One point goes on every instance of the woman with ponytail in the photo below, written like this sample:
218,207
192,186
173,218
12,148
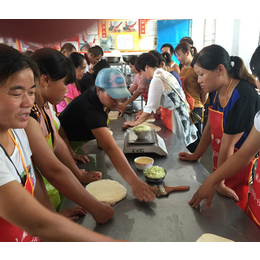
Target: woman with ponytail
195,96
231,117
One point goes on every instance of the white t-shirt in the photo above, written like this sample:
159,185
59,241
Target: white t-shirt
257,121
8,172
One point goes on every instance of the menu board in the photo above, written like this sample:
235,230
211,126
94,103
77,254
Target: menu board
128,35
125,42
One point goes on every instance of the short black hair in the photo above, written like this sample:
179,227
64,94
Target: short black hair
146,59
96,50
169,46
68,47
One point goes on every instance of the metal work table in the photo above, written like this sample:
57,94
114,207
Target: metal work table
167,218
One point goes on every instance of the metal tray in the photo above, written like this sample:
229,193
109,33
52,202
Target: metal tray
131,137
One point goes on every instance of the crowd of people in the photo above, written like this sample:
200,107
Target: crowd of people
45,93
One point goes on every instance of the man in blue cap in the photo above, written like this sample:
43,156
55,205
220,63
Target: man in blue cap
86,118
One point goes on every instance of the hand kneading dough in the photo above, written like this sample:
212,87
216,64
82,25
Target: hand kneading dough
107,190
212,238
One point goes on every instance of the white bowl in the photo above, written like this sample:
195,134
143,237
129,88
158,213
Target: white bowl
143,162
141,134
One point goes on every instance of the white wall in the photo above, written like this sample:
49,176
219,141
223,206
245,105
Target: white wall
248,39
197,33
240,37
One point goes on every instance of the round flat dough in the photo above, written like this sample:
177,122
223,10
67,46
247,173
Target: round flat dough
207,237
107,190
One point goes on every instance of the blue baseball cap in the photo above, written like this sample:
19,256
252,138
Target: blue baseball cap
113,81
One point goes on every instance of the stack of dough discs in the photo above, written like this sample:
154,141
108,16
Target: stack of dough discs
107,190
207,237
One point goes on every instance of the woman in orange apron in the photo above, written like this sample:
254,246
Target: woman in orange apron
231,116
240,182
239,161
195,96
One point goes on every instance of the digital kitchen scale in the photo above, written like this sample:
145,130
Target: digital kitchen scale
153,143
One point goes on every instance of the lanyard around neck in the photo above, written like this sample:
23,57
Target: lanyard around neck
20,152
24,166
230,82
186,72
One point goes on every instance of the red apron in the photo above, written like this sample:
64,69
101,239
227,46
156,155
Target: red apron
11,233
239,182
189,98
253,206
145,96
166,116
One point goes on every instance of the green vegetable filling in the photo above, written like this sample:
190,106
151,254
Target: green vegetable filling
142,128
154,172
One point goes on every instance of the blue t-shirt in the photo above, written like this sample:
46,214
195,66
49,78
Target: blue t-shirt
176,75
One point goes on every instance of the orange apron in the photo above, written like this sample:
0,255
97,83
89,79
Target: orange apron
253,206
239,182
11,233
189,98
166,116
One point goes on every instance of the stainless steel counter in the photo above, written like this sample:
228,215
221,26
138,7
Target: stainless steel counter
167,218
